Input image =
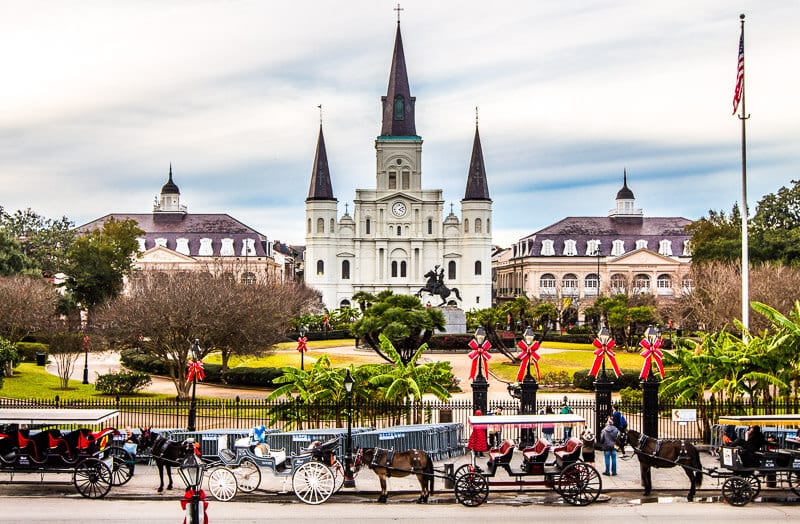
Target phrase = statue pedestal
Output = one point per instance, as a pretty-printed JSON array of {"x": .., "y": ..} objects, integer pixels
[{"x": 455, "y": 320}]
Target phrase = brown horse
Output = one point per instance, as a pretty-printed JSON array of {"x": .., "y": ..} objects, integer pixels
[
  {"x": 167, "y": 453},
  {"x": 387, "y": 463},
  {"x": 654, "y": 453}
]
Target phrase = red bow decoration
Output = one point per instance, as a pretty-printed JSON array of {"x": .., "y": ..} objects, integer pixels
[
  {"x": 650, "y": 353},
  {"x": 600, "y": 353},
  {"x": 195, "y": 370},
  {"x": 479, "y": 353},
  {"x": 301, "y": 344},
  {"x": 525, "y": 357},
  {"x": 187, "y": 499}
]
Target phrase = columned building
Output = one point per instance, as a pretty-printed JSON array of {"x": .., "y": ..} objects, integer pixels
[
  {"x": 398, "y": 230},
  {"x": 577, "y": 258}
]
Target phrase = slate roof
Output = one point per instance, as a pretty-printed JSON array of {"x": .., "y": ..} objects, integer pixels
[
  {"x": 191, "y": 226},
  {"x": 608, "y": 229},
  {"x": 398, "y": 86},
  {"x": 477, "y": 186},
  {"x": 320, "y": 187}
]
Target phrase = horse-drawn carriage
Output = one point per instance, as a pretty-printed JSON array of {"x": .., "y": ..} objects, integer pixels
[
  {"x": 88, "y": 455},
  {"x": 566, "y": 473}
]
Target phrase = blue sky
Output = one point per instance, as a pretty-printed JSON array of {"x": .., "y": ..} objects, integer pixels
[{"x": 99, "y": 97}]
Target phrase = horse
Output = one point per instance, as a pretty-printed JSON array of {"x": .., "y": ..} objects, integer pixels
[
  {"x": 434, "y": 286},
  {"x": 653, "y": 453},
  {"x": 167, "y": 453},
  {"x": 387, "y": 463}
]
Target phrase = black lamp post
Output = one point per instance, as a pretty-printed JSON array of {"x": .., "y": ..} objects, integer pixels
[
  {"x": 86, "y": 359},
  {"x": 650, "y": 387},
  {"x": 602, "y": 387},
  {"x": 301, "y": 345},
  {"x": 193, "y": 405},
  {"x": 480, "y": 386},
  {"x": 349, "y": 481},
  {"x": 528, "y": 388},
  {"x": 191, "y": 471}
]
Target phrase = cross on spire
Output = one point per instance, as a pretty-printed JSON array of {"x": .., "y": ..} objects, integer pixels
[
  {"x": 320, "y": 114},
  {"x": 398, "y": 9},
  {"x": 476, "y": 116}
]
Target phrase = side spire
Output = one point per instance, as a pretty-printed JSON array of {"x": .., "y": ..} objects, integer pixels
[
  {"x": 477, "y": 186},
  {"x": 398, "y": 104},
  {"x": 321, "y": 187}
]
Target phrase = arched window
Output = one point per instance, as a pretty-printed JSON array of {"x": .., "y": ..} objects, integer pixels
[
  {"x": 345, "y": 269},
  {"x": 451, "y": 270},
  {"x": 248, "y": 278},
  {"x": 394, "y": 268},
  {"x": 641, "y": 283},
  {"x": 333, "y": 226},
  {"x": 478, "y": 225},
  {"x": 569, "y": 285},
  {"x": 591, "y": 284},
  {"x": 430, "y": 226},
  {"x": 478, "y": 267},
  {"x": 320, "y": 267},
  {"x": 308, "y": 228},
  {"x": 403, "y": 269},
  {"x": 392, "y": 180},
  {"x": 488, "y": 225},
  {"x": 547, "y": 284},
  {"x": 664, "y": 284},
  {"x": 406, "y": 179},
  {"x": 466, "y": 225},
  {"x": 366, "y": 226},
  {"x": 618, "y": 283},
  {"x": 320, "y": 225},
  {"x": 399, "y": 107},
  {"x": 399, "y": 230}
]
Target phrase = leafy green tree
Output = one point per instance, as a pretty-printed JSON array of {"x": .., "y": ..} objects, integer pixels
[
  {"x": 13, "y": 260},
  {"x": 45, "y": 242},
  {"x": 776, "y": 226},
  {"x": 98, "y": 261},
  {"x": 407, "y": 380},
  {"x": 403, "y": 319},
  {"x": 717, "y": 237},
  {"x": 9, "y": 357}
]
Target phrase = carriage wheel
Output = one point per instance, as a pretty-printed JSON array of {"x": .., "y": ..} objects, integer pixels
[
  {"x": 338, "y": 476},
  {"x": 313, "y": 482},
  {"x": 248, "y": 476},
  {"x": 222, "y": 484},
  {"x": 737, "y": 491},
  {"x": 92, "y": 478},
  {"x": 122, "y": 465},
  {"x": 579, "y": 484},
  {"x": 794, "y": 482},
  {"x": 755, "y": 484},
  {"x": 471, "y": 487}
]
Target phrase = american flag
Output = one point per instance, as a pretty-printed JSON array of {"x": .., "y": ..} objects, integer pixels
[{"x": 737, "y": 94}]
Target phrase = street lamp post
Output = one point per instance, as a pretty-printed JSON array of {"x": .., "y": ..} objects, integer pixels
[
  {"x": 193, "y": 404},
  {"x": 349, "y": 481},
  {"x": 528, "y": 387},
  {"x": 85, "y": 359},
  {"x": 480, "y": 386},
  {"x": 191, "y": 471},
  {"x": 650, "y": 384},
  {"x": 602, "y": 386}
]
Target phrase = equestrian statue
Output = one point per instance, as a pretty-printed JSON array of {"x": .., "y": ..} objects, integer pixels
[{"x": 435, "y": 285}]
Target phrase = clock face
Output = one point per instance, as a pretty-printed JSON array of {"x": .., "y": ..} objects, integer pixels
[{"x": 398, "y": 209}]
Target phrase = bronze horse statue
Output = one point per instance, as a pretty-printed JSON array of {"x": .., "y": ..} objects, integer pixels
[
  {"x": 435, "y": 286},
  {"x": 387, "y": 463},
  {"x": 653, "y": 453}
]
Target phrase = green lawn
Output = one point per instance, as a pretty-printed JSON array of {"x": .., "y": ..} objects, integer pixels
[
  {"x": 32, "y": 381},
  {"x": 569, "y": 361}
]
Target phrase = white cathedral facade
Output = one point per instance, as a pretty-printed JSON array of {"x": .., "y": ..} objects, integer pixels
[{"x": 398, "y": 231}]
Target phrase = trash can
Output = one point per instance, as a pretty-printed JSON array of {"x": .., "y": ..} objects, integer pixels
[
  {"x": 449, "y": 472},
  {"x": 41, "y": 359}
]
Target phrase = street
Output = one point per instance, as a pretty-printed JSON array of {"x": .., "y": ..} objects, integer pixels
[{"x": 56, "y": 510}]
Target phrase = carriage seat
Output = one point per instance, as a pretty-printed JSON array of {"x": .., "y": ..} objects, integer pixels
[
  {"x": 568, "y": 453},
  {"x": 538, "y": 453},
  {"x": 502, "y": 454}
]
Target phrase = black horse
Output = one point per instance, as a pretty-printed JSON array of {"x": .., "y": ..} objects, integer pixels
[
  {"x": 167, "y": 453},
  {"x": 653, "y": 453},
  {"x": 435, "y": 286}
]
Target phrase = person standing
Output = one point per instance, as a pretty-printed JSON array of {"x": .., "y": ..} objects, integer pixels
[
  {"x": 566, "y": 410},
  {"x": 548, "y": 428},
  {"x": 477, "y": 439},
  {"x": 608, "y": 441}
]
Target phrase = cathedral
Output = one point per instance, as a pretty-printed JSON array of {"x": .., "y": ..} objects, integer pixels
[{"x": 398, "y": 237}]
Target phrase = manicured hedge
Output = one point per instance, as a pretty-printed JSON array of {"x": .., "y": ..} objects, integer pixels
[
  {"x": 258, "y": 377},
  {"x": 27, "y": 350},
  {"x": 122, "y": 382},
  {"x": 628, "y": 379}
]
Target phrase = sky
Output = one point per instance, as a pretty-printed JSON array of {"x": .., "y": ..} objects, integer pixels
[{"x": 98, "y": 98}]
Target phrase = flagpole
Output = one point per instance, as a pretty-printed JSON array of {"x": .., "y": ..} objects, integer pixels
[{"x": 743, "y": 116}]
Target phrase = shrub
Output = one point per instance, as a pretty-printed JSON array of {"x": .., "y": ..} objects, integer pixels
[
  {"x": 121, "y": 382},
  {"x": 630, "y": 396},
  {"x": 138, "y": 361},
  {"x": 628, "y": 379},
  {"x": 244, "y": 376},
  {"x": 27, "y": 350}
]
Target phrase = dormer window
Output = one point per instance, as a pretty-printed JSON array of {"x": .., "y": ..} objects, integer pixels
[
  {"x": 665, "y": 248},
  {"x": 227, "y": 247},
  {"x": 547, "y": 248},
  {"x": 592, "y": 248},
  {"x": 570, "y": 248},
  {"x": 687, "y": 248},
  {"x": 618, "y": 248},
  {"x": 182, "y": 246},
  {"x": 141, "y": 244},
  {"x": 206, "y": 249},
  {"x": 248, "y": 247},
  {"x": 641, "y": 244},
  {"x": 161, "y": 242},
  {"x": 399, "y": 107}
]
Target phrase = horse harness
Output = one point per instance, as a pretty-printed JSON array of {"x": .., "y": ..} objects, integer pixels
[
  {"x": 383, "y": 458},
  {"x": 643, "y": 442}
]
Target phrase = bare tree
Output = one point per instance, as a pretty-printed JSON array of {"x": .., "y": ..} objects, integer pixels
[
  {"x": 164, "y": 312},
  {"x": 66, "y": 348},
  {"x": 27, "y": 305}
]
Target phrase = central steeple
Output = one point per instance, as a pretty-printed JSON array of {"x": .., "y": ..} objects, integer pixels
[{"x": 398, "y": 104}]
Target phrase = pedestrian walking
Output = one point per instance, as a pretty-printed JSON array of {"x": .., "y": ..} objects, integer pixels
[{"x": 608, "y": 441}]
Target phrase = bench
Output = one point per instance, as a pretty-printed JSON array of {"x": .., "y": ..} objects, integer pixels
[
  {"x": 502, "y": 454},
  {"x": 568, "y": 453},
  {"x": 537, "y": 453}
]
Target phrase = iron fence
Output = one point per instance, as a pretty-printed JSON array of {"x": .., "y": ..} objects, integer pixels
[{"x": 286, "y": 415}]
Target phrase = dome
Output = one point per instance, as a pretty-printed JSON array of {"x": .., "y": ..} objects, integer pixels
[
  {"x": 170, "y": 188},
  {"x": 625, "y": 193}
]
